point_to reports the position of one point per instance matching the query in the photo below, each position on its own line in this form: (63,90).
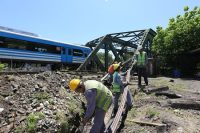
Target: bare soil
(153,109)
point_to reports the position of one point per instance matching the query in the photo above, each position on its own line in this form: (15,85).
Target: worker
(111,71)
(99,98)
(118,88)
(142,60)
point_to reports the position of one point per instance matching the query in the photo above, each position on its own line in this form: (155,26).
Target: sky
(80,21)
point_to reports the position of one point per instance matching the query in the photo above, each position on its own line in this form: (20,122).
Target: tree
(181,36)
(101,56)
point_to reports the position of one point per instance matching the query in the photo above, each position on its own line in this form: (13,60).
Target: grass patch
(41,96)
(32,121)
(139,95)
(64,127)
(51,101)
(162,81)
(150,113)
(132,113)
(65,122)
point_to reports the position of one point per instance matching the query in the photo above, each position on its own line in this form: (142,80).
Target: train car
(31,48)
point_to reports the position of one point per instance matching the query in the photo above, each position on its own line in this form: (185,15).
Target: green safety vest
(115,86)
(104,95)
(141,59)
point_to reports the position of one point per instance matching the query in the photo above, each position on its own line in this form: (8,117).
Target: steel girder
(120,44)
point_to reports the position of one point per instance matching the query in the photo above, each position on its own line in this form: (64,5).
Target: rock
(63,80)
(42,105)
(8,100)
(11,119)
(21,118)
(21,111)
(14,85)
(39,108)
(48,112)
(44,89)
(37,87)
(46,103)
(1,110)
(24,102)
(4,93)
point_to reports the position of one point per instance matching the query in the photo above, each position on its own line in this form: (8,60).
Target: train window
(86,55)
(69,51)
(77,52)
(63,50)
(32,46)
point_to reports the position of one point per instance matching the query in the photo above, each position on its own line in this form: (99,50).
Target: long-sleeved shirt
(117,79)
(90,96)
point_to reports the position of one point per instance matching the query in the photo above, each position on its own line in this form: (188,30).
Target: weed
(64,127)
(133,112)
(2,66)
(60,115)
(165,82)
(32,121)
(151,113)
(65,122)
(41,96)
(51,101)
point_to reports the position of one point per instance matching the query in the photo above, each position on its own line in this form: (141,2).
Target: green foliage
(2,66)
(101,56)
(32,121)
(151,113)
(133,112)
(60,115)
(180,37)
(66,123)
(64,127)
(186,8)
(41,96)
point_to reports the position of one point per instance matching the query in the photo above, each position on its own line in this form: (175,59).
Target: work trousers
(116,100)
(99,125)
(142,72)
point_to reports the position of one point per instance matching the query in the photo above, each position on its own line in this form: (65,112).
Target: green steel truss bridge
(119,44)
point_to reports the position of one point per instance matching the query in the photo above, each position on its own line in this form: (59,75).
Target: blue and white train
(22,47)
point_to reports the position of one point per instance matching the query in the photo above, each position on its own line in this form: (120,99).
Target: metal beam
(92,54)
(106,56)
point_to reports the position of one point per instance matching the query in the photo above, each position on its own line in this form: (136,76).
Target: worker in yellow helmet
(118,88)
(111,71)
(99,99)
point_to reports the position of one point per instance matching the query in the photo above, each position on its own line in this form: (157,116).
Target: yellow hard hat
(73,84)
(115,66)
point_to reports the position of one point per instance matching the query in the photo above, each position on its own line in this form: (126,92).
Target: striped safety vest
(115,86)
(141,59)
(104,95)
